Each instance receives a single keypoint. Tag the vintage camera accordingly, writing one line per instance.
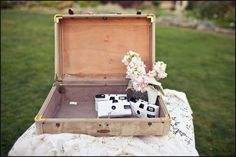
(112, 105)
(143, 109)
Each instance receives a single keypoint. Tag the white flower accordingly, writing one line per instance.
(161, 75)
(128, 57)
(140, 83)
(135, 68)
(137, 73)
(152, 73)
(133, 54)
(160, 68)
(125, 60)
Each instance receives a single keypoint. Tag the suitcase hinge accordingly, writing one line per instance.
(56, 83)
(152, 17)
(39, 117)
(56, 78)
(167, 116)
(57, 18)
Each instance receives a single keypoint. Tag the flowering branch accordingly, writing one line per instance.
(136, 72)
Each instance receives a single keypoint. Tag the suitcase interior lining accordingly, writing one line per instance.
(95, 47)
(59, 107)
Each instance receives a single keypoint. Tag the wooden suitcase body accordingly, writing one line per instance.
(88, 54)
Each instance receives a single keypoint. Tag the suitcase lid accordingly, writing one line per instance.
(92, 46)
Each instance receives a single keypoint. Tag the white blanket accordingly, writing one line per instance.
(179, 142)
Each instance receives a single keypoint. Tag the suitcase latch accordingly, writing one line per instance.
(103, 131)
(57, 17)
(139, 12)
(61, 89)
(39, 117)
(152, 17)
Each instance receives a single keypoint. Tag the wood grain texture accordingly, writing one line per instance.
(94, 47)
(133, 127)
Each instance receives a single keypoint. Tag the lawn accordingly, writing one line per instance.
(198, 63)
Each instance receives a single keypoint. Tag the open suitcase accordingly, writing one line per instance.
(88, 53)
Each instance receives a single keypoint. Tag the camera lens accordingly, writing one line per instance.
(113, 107)
(151, 109)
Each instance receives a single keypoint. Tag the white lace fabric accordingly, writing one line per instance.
(179, 142)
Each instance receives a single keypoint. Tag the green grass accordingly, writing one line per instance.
(203, 66)
(198, 63)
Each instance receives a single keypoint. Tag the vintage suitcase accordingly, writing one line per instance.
(88, 53)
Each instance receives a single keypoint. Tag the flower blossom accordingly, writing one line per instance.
(135, 68)
(140, 83)
(160, 68)
(136, 71)
(128, 57)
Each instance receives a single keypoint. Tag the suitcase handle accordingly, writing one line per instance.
(70, 11)
(103, 131)
(139, 12)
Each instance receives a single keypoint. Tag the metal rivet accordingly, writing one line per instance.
(61, 89)
(104, 18)
(57, 124)
(70, 11)
(139, 12)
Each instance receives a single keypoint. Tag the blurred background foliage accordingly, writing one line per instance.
(222, 13)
